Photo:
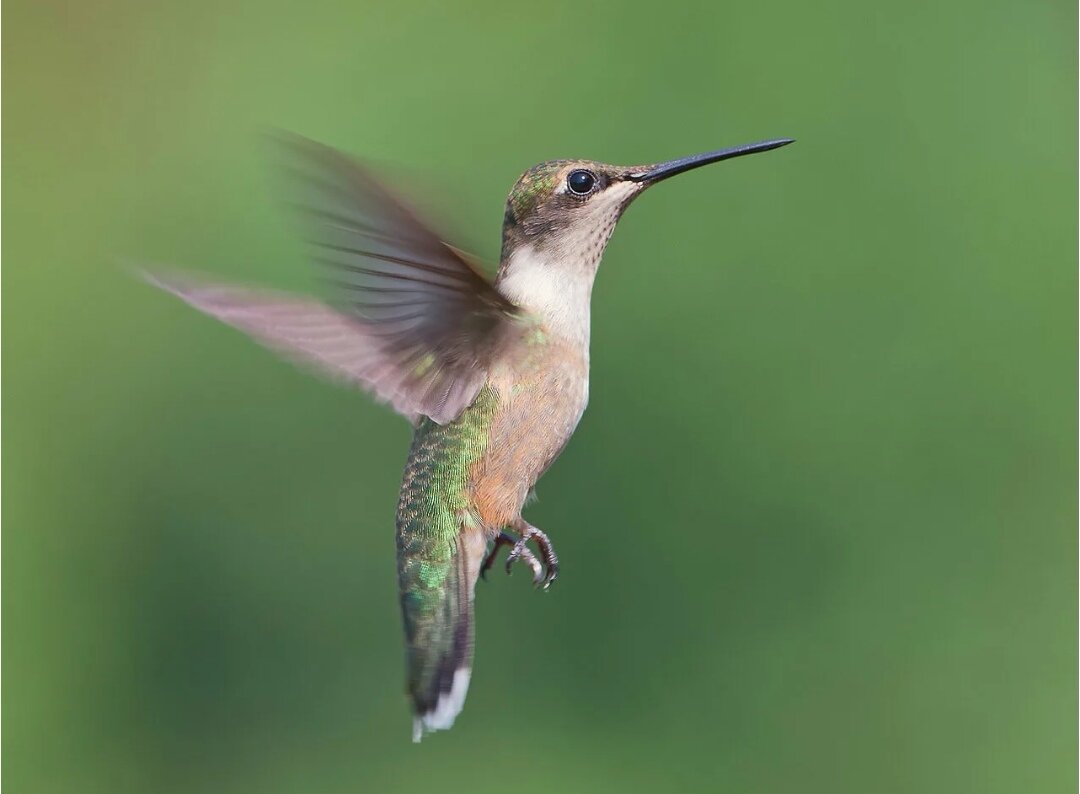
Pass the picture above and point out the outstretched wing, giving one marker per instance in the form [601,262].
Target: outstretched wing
[414,323]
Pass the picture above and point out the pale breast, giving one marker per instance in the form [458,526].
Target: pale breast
[540,405]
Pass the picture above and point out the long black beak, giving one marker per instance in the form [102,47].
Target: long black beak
[654,173]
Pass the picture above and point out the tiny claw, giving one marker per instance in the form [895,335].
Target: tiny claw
[521,552]
[544,573]
[538,574]
[547,551]
[551,575]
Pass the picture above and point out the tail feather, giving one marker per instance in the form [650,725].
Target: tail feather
[439,632]
[440,542]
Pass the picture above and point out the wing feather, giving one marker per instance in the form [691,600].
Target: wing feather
[414,320]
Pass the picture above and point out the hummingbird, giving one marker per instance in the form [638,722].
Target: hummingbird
[493,374]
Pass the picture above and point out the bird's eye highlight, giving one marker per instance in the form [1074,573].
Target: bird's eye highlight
[580,182]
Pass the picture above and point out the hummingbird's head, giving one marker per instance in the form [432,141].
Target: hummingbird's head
[566,209]
[570,207]
[560,216]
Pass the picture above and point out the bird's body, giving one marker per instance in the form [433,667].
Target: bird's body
[495,375]
[464,483]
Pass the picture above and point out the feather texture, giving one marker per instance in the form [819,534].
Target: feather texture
[439,318]
[414,321]
[440,546]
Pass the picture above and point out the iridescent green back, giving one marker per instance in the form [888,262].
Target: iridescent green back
[433,577]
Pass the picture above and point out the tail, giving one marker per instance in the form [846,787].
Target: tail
[437,587]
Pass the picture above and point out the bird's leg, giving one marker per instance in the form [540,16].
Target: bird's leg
[528,532]
[506,539]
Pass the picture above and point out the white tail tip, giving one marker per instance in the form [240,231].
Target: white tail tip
[446,709]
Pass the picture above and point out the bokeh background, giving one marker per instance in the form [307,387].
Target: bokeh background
[818,525]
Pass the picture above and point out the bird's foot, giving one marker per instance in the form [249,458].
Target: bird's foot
[506,539]
[547,553]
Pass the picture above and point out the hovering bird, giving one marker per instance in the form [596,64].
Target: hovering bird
[493,374]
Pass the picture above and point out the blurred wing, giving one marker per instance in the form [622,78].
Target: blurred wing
[415,323]
[303,330]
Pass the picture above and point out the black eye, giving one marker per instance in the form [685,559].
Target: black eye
[580,182]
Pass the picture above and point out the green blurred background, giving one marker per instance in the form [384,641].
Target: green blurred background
[818,525]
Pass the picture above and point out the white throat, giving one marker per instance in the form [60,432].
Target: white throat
[558,291]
